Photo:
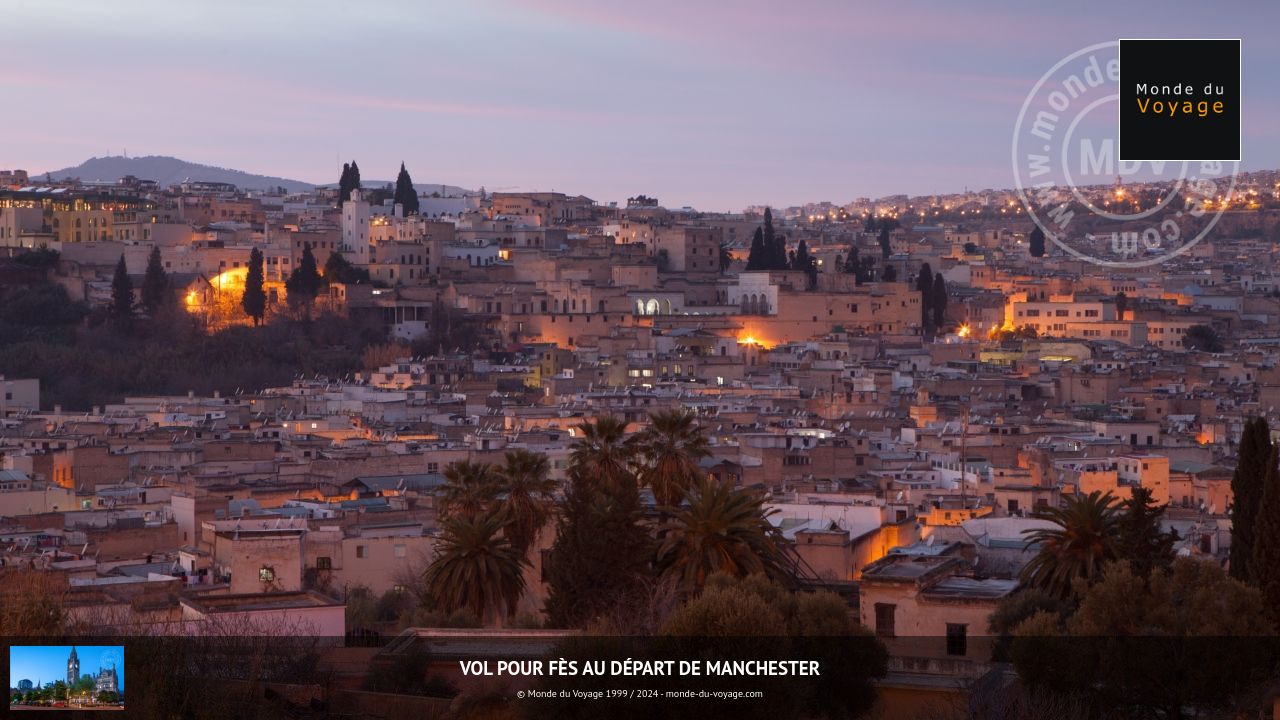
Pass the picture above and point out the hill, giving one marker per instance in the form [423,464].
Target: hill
[168,171]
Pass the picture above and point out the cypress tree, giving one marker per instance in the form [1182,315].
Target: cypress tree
[775,248]
[405,195]
[939,300]
[254,300]
[601,555]
[1265,564]
[782,258]
[344,183]
[802,258]
[885,249]
[756,259]
[304,282]
[355,176]
[1036,242]
[1246,488]
[851,262]
[1140,541]
[121,307]
[924,285]
[155,284]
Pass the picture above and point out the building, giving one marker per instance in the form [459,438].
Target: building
[107,681]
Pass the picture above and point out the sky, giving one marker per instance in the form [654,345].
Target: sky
[707,103]
[46,663]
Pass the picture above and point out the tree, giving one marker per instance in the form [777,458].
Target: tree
[775,246]
[155,284]
[1035,242]
[476,567]
[1189,637]
[121,307]
[469,488]
[889,274]
[970,249]
[1122,302]
[756,258]
[938,299]
[803,261]
[1246,489]
[1083,541]
[602,455]
[41,256]
[254,299]
[1140,540]
[726,258]
[602,555]
[526,495]
[406,196]
[337,269]
[1203,338]
[924,285]
[304,283]
[885,248]
[756,617]
[349,181]
[1266,541]
[721,529]
[671,448]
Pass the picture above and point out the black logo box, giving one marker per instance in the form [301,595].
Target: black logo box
[1186,65]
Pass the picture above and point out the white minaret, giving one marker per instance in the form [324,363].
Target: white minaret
[355,229]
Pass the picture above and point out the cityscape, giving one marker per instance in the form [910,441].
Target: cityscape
[429,434]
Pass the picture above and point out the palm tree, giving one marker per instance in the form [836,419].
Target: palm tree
[469,488]
[526,495]
[602,454]
[1083,541]
[720,529]
[671,447]
[476,566]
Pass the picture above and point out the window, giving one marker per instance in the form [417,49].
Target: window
[267,574]
[884,619]
[360,551]
[957,639]
[324,563]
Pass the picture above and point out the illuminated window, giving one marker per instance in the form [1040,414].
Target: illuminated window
[267,574]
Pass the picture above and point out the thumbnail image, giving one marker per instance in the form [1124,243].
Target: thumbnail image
[52,677]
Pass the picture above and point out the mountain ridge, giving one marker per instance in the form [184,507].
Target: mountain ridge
[166,170]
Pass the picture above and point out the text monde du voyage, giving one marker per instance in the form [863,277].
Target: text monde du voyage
[1179,99]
